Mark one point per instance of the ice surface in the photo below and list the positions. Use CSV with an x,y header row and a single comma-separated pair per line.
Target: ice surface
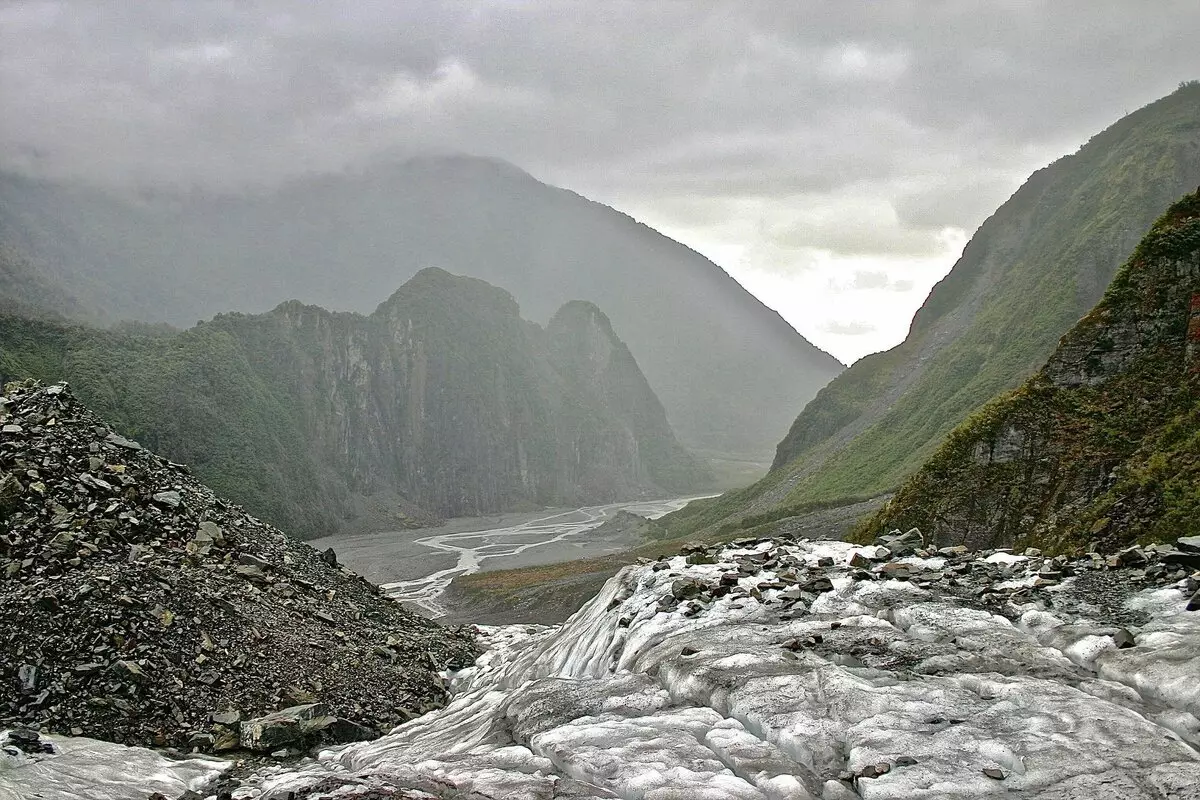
x,y
725,698
871,689
87,769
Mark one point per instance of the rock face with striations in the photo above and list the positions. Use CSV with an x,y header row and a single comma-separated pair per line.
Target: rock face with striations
x,y
1104,442
443,402
141,608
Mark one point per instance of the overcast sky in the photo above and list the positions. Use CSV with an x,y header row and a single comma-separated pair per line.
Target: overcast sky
x,y
832,156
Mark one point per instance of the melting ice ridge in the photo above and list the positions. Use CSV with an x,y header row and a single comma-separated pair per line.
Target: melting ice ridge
x,y
626,700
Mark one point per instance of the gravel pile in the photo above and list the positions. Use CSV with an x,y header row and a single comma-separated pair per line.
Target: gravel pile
x,y
138,607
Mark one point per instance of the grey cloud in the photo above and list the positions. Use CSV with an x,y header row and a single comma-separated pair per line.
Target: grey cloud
x,y
874,279
870,279
848,328
940,108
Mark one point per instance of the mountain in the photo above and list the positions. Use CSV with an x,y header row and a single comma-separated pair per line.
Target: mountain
x,y
27,291
1026,276
138,604
442,402
1103,443
730,372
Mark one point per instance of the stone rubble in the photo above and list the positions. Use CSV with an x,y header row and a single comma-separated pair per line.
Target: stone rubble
x,y
138,607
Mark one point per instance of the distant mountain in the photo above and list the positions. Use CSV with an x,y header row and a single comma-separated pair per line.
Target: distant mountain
x,y
730,372
1030,271
28,291
443,402
1104,442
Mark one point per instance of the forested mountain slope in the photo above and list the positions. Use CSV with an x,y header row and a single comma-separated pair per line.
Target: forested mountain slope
x,y
1104,442
443,402
1027,275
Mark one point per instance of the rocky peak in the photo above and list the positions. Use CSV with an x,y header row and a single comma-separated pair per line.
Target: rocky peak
x,y
443,402
456,292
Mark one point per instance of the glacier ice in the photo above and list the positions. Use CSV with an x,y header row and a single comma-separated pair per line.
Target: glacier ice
x,y
789,678
89,769
726,697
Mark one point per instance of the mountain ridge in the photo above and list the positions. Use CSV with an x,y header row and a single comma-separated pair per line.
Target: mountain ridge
x,y
1101,442
1032,269
729,371
442,402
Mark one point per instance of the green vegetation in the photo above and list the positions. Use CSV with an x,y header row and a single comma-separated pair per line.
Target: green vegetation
x,y
444,402
1027,275
1103,443
192,396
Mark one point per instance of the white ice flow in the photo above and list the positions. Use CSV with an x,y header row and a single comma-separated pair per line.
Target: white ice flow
x,y
87,769
704,701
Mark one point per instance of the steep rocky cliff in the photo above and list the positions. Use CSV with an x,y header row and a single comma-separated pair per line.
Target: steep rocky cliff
x,y
730,372
443,402
1030,271
1104,442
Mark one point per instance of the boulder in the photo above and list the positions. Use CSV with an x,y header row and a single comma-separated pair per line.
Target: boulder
x,y
687,588
284,727
1188,544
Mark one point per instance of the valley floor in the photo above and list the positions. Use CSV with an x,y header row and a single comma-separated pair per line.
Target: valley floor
x,y
416,566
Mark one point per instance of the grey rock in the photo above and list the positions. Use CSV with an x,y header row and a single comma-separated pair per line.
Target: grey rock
x,y
1189,544
1182,558
995,773
27,675
169,498
343,731
210,533
1132,556
1123,639
129,671
201,741
251,560
230,719
1194,603
119,441
10,494
686,588
294,724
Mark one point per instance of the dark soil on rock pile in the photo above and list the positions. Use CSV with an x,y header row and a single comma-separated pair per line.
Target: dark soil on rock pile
x,y
134,603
